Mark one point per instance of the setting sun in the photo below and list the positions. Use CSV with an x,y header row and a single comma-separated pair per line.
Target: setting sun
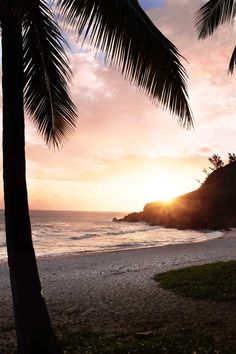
x,y
162,186
162,192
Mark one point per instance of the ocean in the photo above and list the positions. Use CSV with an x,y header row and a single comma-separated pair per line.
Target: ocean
x,y
66,232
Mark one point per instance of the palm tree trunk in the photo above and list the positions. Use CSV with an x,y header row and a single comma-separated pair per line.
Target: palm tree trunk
x,y
33,326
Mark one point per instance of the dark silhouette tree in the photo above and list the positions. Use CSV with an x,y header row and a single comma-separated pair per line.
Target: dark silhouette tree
x,y
213,14
35,75
207,173
216,161
231,157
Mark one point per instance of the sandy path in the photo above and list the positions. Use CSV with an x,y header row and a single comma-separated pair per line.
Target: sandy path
x,y
115,290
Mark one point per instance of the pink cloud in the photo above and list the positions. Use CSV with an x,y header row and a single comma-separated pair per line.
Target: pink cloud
x,y
116,122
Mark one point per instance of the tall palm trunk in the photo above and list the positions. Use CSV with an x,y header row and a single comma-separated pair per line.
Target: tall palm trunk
x,y
33,327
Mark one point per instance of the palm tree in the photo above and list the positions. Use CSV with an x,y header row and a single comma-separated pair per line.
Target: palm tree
x,y
213,14
35,75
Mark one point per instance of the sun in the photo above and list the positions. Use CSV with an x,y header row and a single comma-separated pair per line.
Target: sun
x,y
166,199
166,196
162,189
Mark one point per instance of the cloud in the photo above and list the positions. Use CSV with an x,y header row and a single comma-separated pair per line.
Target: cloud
x,y
115,119
122,141
121,137
124,167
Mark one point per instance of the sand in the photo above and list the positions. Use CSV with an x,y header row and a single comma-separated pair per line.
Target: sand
x,y
114,291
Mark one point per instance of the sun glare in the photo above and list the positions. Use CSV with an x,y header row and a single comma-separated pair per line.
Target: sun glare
x,y
166,196
160,189
166,200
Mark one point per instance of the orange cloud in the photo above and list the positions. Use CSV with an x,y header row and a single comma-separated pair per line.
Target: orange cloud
x,y
123,144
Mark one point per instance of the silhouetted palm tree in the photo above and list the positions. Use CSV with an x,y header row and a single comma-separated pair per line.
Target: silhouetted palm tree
x,y
213,14
35,74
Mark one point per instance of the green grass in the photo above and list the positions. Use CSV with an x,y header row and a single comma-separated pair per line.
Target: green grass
x,y
216,281
76,343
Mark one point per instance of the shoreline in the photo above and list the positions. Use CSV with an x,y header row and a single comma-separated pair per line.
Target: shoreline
x,y
88,253
172,255
115,291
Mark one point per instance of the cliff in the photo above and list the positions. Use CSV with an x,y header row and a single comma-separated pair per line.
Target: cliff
x,y
212,206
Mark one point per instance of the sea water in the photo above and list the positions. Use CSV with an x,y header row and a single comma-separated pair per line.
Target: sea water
x,y
66,232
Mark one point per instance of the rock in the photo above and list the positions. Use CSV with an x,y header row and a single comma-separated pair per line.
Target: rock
x,y
212,206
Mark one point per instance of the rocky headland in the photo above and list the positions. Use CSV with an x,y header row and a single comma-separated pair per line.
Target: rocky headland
x,y
211,206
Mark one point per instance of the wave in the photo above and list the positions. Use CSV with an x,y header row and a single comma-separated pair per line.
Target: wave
x,y
108,233
85,236
128,244
130,231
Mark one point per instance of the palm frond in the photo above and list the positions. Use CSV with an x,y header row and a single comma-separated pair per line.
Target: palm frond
x,y
232,62
213,14
132,43
46,74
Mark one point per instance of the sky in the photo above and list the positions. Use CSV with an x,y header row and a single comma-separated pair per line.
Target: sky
x,y
126,151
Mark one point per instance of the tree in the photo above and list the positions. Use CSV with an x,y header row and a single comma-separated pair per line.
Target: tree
x,y
213,14
216,161
231,157
204,170
35,75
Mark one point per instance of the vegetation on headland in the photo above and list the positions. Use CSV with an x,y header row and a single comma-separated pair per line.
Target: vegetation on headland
x,y
211,206
217,162
216,281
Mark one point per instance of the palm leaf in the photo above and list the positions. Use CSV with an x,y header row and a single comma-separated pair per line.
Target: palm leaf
x,y
132,43
46,74
213,14
232,62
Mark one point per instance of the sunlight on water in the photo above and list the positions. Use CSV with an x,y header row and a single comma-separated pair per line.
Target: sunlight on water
x,y
60,232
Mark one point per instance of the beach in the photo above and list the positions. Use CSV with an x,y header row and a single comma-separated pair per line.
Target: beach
x,y
115,291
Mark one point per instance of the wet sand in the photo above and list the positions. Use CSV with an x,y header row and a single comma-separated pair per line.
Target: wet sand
x,y
114,291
